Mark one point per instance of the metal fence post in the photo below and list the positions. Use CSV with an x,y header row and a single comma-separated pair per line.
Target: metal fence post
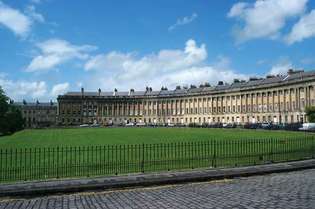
x,y
143,154
214,160
57,167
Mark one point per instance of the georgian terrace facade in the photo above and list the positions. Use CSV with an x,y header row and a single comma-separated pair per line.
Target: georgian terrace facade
x,y
38,114
277,99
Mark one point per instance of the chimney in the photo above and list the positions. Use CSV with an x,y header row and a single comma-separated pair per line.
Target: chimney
x,y
99,92
24,102
270,76
131,91
291,71
37,102
253,79
82,91
51,103
220,83
115,92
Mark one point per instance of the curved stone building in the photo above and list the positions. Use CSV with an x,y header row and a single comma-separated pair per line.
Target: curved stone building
x,y
277,99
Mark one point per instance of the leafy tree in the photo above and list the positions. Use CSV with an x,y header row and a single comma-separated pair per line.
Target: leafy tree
x,y
15,119
310,113
4,106
3,103
10,116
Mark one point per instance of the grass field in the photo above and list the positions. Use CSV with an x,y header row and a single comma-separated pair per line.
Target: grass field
x,y
63,153
112,136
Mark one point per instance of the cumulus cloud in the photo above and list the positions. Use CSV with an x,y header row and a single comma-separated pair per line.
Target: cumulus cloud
x,y
183,21
264,19
19,90
54,52
14,20
281,68
304,28
59,89
168,67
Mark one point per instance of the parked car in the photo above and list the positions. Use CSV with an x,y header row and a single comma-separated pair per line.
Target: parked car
x,y
308,127
251,125
231,125
266,125
170,125
95,125
140,124
84,125
293,126
129,124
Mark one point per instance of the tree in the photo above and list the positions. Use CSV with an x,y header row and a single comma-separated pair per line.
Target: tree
x,y
10,116
4,106
310,113
3,103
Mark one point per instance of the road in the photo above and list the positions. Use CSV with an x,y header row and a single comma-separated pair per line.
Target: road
x,y
286,190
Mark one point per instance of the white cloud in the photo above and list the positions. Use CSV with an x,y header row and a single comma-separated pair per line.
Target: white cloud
x,y
281,68
19,90
31,12
304,28
264,19
30,90
165,68
59,89
15,20
55,52
183,21
237,9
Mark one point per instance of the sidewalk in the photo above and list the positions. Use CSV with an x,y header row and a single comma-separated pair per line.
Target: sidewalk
x,y
35,188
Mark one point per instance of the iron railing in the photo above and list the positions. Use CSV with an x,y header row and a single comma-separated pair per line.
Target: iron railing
x,y
63,162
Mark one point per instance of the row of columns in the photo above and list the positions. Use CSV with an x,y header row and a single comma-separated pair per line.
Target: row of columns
x,y
282,100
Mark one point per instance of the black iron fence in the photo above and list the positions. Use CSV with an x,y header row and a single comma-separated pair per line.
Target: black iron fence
x,y
62,162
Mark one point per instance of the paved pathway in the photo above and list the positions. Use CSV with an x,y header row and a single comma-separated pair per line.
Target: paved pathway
x,y
286,190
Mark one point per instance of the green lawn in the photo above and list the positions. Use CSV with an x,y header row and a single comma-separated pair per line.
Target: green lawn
x,y
110,136
64,153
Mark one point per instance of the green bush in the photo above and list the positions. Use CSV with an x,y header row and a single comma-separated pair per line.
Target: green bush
x,y
10,117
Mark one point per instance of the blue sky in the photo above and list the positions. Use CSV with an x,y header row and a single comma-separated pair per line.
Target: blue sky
x,y
48,47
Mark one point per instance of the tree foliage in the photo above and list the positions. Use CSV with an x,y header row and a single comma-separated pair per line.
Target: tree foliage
x,y
10,116
310,113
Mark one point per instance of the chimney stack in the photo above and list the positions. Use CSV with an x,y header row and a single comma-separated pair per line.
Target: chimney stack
x,y
131,91
82,91
220,83
291,71
115,92
99,92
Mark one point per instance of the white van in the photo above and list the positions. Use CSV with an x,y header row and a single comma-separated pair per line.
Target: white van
x,y
308,127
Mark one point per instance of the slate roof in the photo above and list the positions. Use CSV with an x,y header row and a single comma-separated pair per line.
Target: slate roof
x,y
32,104
236,85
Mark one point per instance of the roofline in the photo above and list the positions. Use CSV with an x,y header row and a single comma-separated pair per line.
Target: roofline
x,y
202,93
